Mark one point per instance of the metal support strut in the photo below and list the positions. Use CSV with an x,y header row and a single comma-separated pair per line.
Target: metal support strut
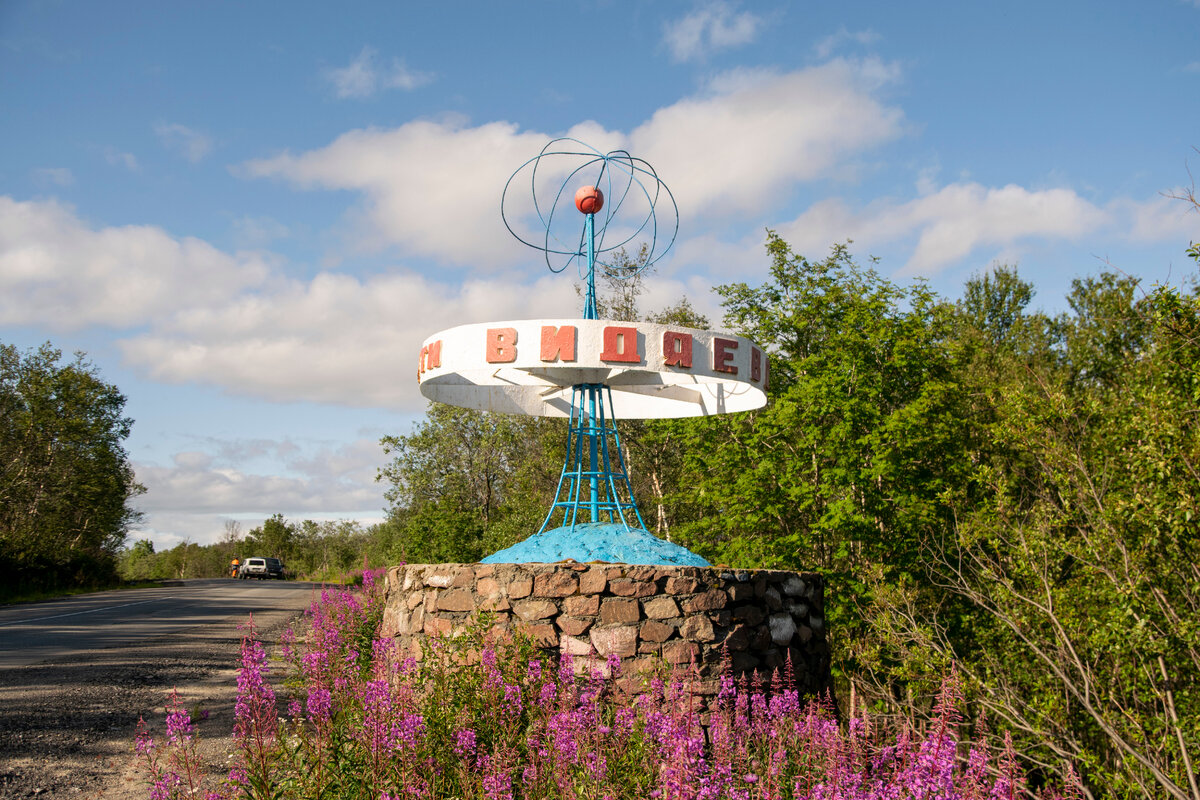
x,y
594,460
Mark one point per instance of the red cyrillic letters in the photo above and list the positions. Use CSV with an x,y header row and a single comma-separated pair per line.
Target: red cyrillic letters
x,y
677,349
722,355
558,344
501,345
620,345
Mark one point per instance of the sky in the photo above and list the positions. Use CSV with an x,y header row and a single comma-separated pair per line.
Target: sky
x,y
250,215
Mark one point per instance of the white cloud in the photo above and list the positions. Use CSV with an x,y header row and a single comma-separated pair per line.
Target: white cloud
x,y
827,46
945,226
712,26
336,339
1162,218
365,76
190,144
119,159
321,477
752,136
53,176
58,272
433,187
193,496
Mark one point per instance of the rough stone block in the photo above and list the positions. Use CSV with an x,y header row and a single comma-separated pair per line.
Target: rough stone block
x,y
738,637
464,577
559,583
389,626
709,601
697,628
440,578
436,626
654,631
415,599
741,592
751,615
416,621
661,608
772,599
575,647
485,571
680,652
582,605
573,626
721,618
487,587
541,635
520,586
615,611
640,572
456,600
627,587
805,633
431,598
530,610
494,604
744,662
682,585
783,628
794,586
614,641
593,581
411,579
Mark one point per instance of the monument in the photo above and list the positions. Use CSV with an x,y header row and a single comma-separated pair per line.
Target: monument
x,y
592,581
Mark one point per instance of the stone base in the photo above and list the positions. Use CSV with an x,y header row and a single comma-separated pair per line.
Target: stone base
x,y
647,615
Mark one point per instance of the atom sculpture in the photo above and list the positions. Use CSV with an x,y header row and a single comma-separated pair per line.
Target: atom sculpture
x,y
634,192
591,370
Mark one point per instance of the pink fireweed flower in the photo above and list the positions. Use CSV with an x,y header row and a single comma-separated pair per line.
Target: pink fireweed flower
x,y
409,731
179,724
319,703
377,716
464,744
255,713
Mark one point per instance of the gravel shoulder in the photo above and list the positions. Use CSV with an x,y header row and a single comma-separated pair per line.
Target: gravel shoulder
x,y
67,726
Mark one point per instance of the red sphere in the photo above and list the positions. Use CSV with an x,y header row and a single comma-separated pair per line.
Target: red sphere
x,y
589,199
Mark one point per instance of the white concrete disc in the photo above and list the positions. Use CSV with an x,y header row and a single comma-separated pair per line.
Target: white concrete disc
x,y
654,371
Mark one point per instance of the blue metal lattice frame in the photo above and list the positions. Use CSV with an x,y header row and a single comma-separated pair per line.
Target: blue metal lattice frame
x,y
589,481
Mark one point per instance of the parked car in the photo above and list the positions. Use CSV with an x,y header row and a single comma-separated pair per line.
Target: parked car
x,y
261,568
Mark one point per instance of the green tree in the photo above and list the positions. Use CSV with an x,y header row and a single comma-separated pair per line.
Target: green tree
x,y
65,478
1073,566
466,483
275,538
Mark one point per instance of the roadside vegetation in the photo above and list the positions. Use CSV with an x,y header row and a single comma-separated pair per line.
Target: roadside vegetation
x,y
480,716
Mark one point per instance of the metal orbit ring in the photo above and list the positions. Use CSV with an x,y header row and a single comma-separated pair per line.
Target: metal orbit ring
x,y
631,185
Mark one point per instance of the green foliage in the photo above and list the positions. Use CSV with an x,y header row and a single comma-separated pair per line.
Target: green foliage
x,y
65,478
844,470
466,483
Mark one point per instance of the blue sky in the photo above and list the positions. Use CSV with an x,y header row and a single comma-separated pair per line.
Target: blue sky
x,y
250,215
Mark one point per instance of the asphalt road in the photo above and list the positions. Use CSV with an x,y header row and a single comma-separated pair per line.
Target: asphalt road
x,y
55,629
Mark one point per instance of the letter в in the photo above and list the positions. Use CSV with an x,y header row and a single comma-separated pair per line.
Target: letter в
x,y
501,345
